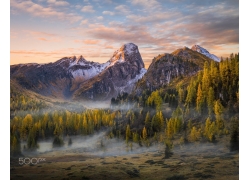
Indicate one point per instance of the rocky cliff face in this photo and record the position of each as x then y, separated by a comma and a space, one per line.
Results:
166, 67
76, 77
124, 70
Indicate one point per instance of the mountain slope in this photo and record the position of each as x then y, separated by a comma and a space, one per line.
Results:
68, 75
57, 79
125, 69
205, 52
167, 67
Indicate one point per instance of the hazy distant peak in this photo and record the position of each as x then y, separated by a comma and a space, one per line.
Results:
205, 52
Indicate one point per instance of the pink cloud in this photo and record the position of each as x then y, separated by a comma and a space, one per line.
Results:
44, 36
149, 4
91, 41
108, 13
122, 9
39, 33
58, 3
42, 39
45, 12
83, 22
153, 17
88, 9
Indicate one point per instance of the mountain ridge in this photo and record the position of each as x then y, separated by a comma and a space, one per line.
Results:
63, 77
166, 67
77, 79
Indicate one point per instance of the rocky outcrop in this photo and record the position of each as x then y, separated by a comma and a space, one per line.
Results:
125, 69
166, 67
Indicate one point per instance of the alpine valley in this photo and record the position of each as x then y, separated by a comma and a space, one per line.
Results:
179, 118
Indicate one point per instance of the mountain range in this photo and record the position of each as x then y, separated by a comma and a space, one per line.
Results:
75, 78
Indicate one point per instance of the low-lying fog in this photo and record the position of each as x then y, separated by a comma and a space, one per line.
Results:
97, 144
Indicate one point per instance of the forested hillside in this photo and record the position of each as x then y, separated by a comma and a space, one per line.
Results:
205, 108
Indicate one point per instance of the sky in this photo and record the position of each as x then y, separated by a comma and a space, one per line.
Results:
43, 31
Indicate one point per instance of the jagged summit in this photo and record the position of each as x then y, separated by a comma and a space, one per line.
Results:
123, 54
205, 52
129, 48
80, 68
71, 61
80, 59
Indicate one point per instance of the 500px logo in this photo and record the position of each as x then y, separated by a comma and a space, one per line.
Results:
30, 160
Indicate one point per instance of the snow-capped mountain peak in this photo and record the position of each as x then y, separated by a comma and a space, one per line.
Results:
80, 59
120, 54
205, 52
199, 49
82, 69
129, 48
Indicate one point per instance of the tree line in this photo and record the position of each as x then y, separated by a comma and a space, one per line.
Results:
33, 127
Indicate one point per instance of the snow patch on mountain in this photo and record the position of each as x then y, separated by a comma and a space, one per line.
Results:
131, 83
130, 48
138, 76
80, 68
205, 52
87, 73
103, 66
78, 61
119, 55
